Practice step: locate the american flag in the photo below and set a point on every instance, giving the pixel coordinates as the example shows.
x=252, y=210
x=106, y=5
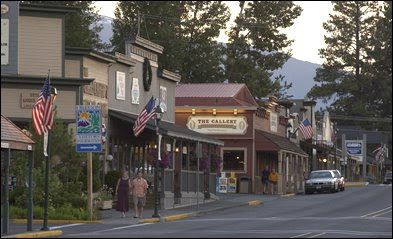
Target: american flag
x=306, y=129
x=42, y=110
x=147, y=113
x=380, y=155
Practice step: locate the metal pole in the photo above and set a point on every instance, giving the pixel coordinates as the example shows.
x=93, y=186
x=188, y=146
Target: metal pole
x=30, y=199
x=344, y=156
x=364, y=157
x=90, y=184
x=156, y=199
x=199, y=147
x=6, y=205
x=45, y=226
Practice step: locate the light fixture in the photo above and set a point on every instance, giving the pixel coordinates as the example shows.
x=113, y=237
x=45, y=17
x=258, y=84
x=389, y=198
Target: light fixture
x=214, y=111
x=155, y=146
x=177, y=149
x=235, y=111
x=193, y=111
x=324, y=160
x=237, y=157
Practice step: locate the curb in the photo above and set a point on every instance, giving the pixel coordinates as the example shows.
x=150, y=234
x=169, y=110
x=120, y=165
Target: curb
x=37, y=234
x=359, y=184
x=255, y=203
x=198, y=213
x=55, y=222
x=287, y=195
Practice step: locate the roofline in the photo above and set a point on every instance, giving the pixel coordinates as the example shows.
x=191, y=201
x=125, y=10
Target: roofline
x=184, y=107
x=39, y=80
x=90, y=52
x=47, y=8
x=169, y=75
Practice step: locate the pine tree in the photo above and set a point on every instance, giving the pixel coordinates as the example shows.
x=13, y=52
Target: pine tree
x=256, y=47
x=82, y=27
x=186, y=30
x=346, y=75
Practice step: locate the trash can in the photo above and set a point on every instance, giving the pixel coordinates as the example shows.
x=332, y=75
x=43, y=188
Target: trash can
x=245, y=185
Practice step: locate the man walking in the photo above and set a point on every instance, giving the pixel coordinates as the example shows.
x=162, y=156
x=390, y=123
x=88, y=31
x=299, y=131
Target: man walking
x=139, y=190
x=265, y=180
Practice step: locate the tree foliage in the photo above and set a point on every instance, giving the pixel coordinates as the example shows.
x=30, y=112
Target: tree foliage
x=81, y=27
x=257, y=47
x=186, y=29
x=356, y=73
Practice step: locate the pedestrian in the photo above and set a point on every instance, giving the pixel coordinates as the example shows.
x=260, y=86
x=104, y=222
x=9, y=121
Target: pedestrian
x=265, y=180
x=273, y=179
x=139, y=190
x=122, y=191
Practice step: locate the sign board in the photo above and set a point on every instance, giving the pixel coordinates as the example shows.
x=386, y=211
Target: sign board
x=354, y=147
x=273, y=122
x=223, y=185
x=231, y=185
x=233, y=125
x=88, y=128
x=120, y=85
x=135, y=91
x=5, y=41
x=27, y=100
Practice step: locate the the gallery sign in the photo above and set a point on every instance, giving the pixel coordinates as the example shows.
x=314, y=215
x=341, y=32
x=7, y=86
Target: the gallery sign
x=218, y=124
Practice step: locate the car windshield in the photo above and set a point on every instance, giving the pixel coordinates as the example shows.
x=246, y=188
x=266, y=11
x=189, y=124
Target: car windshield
x=320, y=175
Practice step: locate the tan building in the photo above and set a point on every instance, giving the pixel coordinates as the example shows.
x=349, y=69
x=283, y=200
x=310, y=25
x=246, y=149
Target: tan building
x=40, y=46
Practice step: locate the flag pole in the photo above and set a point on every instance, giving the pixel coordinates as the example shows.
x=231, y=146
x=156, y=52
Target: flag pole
x=46, y=149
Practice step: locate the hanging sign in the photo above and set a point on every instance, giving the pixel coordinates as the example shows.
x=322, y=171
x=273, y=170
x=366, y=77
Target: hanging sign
x=88, y=128
x=218, y=124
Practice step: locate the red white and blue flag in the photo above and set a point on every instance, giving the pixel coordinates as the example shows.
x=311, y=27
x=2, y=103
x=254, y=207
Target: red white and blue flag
x=42, y=110
x=147, y=113
x=306, y=128
x=380, y=153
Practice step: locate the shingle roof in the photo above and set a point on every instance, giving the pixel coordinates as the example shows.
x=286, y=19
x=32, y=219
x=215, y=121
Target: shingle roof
x=280, y=142
x=206, y=90
x=11, y=132
x=214, y=94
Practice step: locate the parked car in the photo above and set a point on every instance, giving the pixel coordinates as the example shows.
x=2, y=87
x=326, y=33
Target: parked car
x=388, y=177
x=322, y=180
x=341, y=181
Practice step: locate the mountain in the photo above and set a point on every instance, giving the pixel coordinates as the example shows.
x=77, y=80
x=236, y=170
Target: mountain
x=299, y=73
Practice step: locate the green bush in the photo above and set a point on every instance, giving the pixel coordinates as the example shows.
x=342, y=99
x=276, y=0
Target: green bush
x=66, y=212
x=111, y=179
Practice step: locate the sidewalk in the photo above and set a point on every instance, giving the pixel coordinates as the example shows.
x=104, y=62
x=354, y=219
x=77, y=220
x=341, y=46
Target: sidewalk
x=112, y=217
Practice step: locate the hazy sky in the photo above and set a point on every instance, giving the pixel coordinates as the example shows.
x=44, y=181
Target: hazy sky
x=307, y=31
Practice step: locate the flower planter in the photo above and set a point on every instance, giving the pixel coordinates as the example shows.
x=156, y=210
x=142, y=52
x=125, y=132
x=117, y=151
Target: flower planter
x=104, y=205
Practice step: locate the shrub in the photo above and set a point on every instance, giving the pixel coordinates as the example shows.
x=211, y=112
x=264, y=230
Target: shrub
x=111, y=178
x=66, y=212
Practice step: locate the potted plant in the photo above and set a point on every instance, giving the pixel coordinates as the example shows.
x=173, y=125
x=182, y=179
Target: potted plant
x=104, y=198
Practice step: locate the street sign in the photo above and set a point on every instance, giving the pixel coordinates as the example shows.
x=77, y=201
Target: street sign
x=354, y=147
x=88, y=128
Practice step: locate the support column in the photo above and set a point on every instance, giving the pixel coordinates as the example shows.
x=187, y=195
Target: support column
x=280, y=173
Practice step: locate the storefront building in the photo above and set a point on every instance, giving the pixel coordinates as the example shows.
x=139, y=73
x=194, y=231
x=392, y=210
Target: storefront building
x=133, y=79
x=34, y=42
x=253, y=136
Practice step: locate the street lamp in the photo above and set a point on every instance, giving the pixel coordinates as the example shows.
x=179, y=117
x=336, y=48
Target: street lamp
x=159, y=113
x=46, y=199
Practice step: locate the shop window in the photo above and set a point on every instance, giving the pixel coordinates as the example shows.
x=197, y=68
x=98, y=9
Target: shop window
x=234, y=160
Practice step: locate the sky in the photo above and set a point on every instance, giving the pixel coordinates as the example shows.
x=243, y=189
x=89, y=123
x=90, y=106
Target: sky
x=307, y=31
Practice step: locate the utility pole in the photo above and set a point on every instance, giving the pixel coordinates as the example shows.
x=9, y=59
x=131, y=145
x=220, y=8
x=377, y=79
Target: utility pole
x=90, y=184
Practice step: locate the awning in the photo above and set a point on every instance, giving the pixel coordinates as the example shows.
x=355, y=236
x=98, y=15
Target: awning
x=168, y=129
x=265, y=141
x=13, y=137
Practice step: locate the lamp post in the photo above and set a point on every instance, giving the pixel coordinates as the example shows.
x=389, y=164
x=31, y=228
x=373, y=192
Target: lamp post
x=159, y=113
x=45, y=226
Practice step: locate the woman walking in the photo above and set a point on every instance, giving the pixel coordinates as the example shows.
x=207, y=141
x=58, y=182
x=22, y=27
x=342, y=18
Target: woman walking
x=122, y=191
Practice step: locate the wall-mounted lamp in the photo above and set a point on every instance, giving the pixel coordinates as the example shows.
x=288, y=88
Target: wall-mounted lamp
x=235, y=111
x=237, y=157
x=324, y=160
x=176, y=149
x=214, y=111
x=155, y=146
x=193, y=111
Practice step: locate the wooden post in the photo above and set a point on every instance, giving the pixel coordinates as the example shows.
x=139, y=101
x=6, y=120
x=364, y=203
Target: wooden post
x=90, y=184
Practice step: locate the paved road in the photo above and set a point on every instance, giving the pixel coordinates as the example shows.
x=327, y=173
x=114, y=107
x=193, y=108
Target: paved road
x=357, y=212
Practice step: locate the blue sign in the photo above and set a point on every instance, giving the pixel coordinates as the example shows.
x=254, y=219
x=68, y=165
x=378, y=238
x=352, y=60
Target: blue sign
x=354, y=147
x=88, y=128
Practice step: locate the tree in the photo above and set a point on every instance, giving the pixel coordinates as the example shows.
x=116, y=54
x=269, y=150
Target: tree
x=256, y=47
x=346, y=75
x=186, y=30
x=82, y=27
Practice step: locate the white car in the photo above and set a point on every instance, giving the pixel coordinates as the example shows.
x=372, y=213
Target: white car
x=322, y=180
